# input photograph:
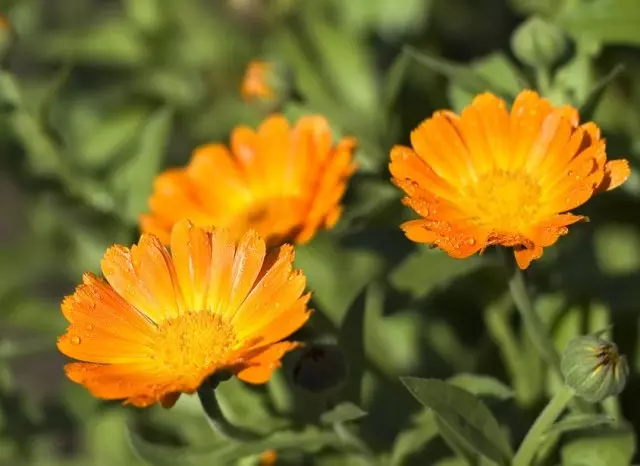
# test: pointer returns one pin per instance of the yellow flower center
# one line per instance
(194, 344)
(505, 201)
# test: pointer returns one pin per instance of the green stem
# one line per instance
(532, 441)
(216, 418)
(533, 325)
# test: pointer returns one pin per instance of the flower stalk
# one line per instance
(534, 438)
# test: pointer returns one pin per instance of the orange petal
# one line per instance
(524, 256)
(259, 369)
(247, 264)
(616, 173)
(191, 253)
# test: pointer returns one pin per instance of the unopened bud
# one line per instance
(538, 43)
(321, 369)
(594, 368)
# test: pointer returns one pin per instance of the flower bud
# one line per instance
(594, 368)
(321, 369)
(537, 43)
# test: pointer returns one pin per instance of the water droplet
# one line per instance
(471, 241)
(75, 340)
(89, 327)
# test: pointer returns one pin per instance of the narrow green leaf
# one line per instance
(463, 76)
(135, 177)
(482, 385)
(114, 42)
(114, 133)
(344, 412)
(588, 108)
(457, 443)
(608, 21)
(463, 414)
(579, 422)
(394, 77)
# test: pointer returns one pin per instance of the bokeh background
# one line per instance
(97, 96)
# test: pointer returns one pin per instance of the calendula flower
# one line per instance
(285, 182)
(494, 177)
(162, 323)
(268, 458)
(256, 83)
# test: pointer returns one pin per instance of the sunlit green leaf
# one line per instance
(136, 176)
(600, 447)
(482, 385)
(463, 414)
(344, 412)
(114, 42)
(579, 422)
(609, 21)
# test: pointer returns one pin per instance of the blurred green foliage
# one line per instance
(96, 97)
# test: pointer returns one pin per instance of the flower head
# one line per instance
(493, 177)
(594, 368)
(163, 323)
(285, 182)
(256, 83)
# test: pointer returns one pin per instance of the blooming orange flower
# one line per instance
(492, 177)
(268, 458)
(256, 82)
(284, 182)
(163, 323)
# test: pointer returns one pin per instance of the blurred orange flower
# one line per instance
(268, 458)
(163, 323)
(256, 82)
(285, 182)
(494, 177)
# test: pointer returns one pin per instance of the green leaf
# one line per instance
(608, 21)
(499, 73)
(600, 447)
(324, 261)
(482, 385)
(457, 443)
(394, 78)
(348, 64)
(465, 77)
(112, 134)
(148, 15)
(428, 269)
(246, 408)
(590, 105)
(412, 440)
(310, 440)
(344, 412)
(579, 422)
(114, 42)
(135, 177)
(463, 414)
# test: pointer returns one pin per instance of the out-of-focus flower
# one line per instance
(493, 177)
(594, 368)
(284, 182)
(257, 83)
(268, 458)
(163, 323)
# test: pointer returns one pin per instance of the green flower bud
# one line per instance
(538, 43)
(321, 368)
(594, 368)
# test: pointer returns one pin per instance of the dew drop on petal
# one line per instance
(471, 241)
(75, 340)
(89, 327)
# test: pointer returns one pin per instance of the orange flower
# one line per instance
(256, 82)
(162, 324)
(493, 177)
(284, 182)
(268, 458)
